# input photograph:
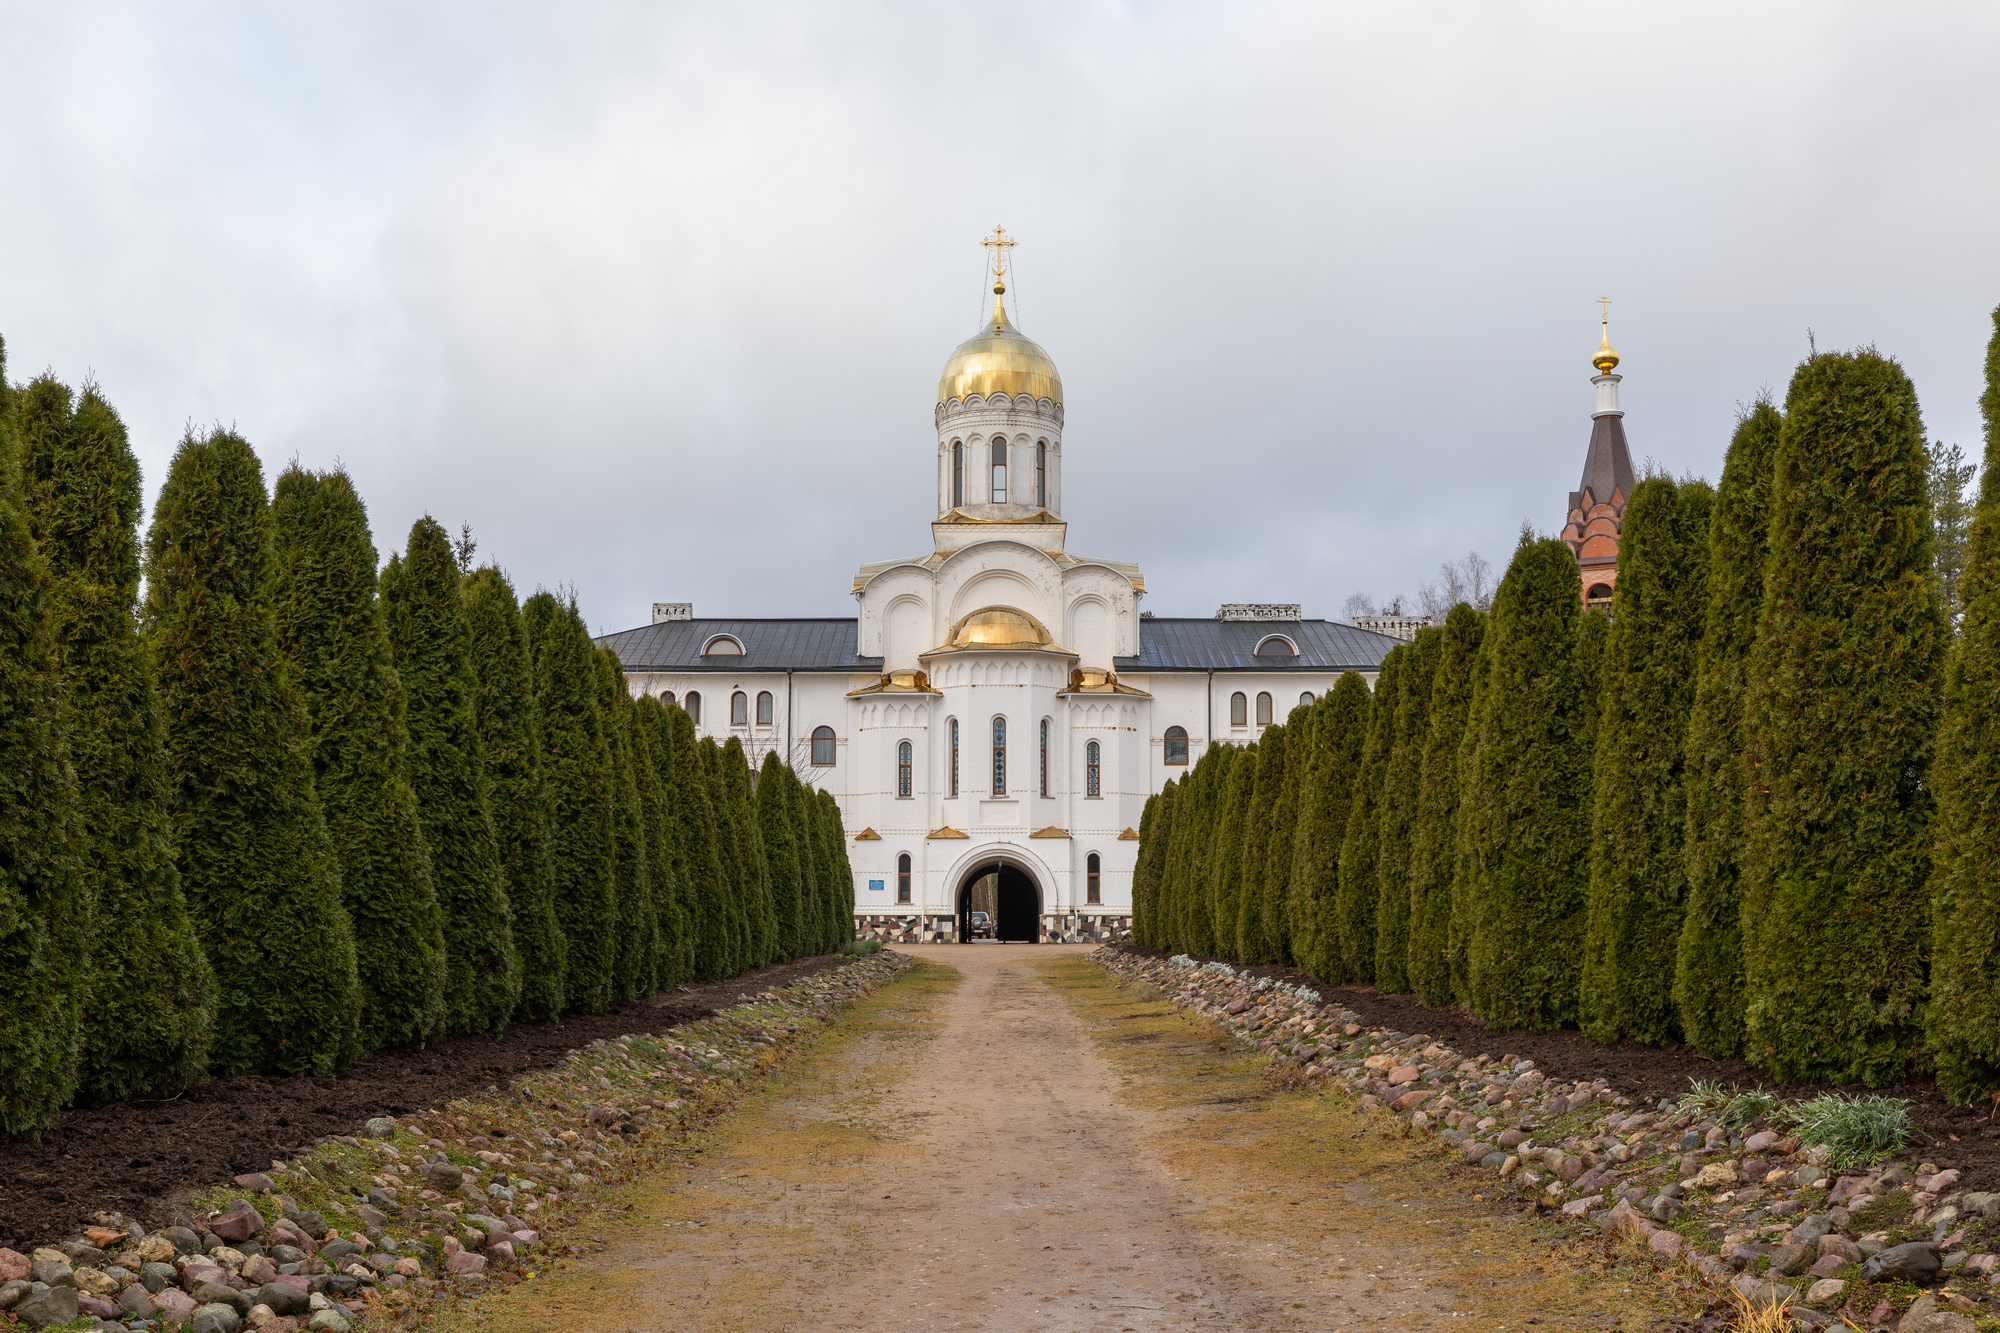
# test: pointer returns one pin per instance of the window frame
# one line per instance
(999, 456)
(1042, 473)
(1239, 709)
(667, 698)
(1093, 875)
(999, 774)
(739, 709)
(1093, 761)
(957, 473)
(767, 709)
(903, 878)
(905, 756)
(1263, 713)
(1044, 775)
(825, 733)
(954, 759)
(1307, 699)
(714, 648)
(1290, 653)
(1168, 738)
(691, 705)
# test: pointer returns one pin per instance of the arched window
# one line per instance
(957, 474)
(1042, 473)
(1599, 595)
(739, 709)
(903, 873)
(823, 746)
(1092, 891)
(903, 771)
(999, 470)
(1277, 647)
(1239, 710)
(1263, 709)
(763, 708)
(722, 646)
(694, 707)
(1043, 776)
(954, 757)
(999, 757)
(667, 698)
(1176, 747)
(1307, 699)
(1090, 769)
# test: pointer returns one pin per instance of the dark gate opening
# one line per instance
(1017, 905)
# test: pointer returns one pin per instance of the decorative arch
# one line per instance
(1277, 646)
(722, 645)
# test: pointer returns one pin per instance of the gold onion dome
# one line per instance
(1606, 358)
(998, 359)
(1000, 627)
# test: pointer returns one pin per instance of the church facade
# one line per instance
(999, 705)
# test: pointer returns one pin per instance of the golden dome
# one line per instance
(998, 359)
(1606, 359)
(1000, 627)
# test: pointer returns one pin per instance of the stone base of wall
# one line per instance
(1057, 928)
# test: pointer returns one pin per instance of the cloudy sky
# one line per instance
(656, 296)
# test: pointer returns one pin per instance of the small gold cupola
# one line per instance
(1606, 357)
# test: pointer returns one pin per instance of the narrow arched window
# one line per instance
(957, 474)
(823, 746)
(999, 470)
(1093, 891)
(694, 707)
(999, 756)
(1307, 699)
(739, 709)
(1263, 709)
(903, 877)
(667, 698)
(1239, 710)
(954, 757)
(1042, 473)
(903, 771)
(764, 708)
(1176, 745)
(1090, 769)
(1043, 777)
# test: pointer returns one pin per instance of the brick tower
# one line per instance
(1597, 506)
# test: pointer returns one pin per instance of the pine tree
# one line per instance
(1197, 905)
(257, 869)
(576, 783)
(840, 872)
(756, 892)
(1155, 826)
(781, 856)
(708, 912)
(728, 859)
(1226, 868)
(1352, 949)
(653, 756)
(509, 721)
(1841, 720)
(427, 632)
(816, 869)
(1963, 1017)
(152, 995)
(637, 932)
(1593, 637)
(1267, 779)
(1525, 796)
(45, 872)
(1327, 776)
(1398, 817)
(1638, 886)
(1434, 839)
(1301, 738)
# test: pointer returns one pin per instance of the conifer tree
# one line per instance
(632, 885)
(708, 910)
(1398, 815)
(1708, 967)
(1226, 869)
(1353, 945)
(1301, 738)
(1267, 779)
(1593, 636)
(152, 995)
(1155, 825)
(1434, 839)
(1464, 906)
(509, 721)
(576, 783)
(1325, 794)
(257, 869)
(433, 653)
(780, 837)
(653, 750)
(1637, 887)
(45, 908)
(1842, 713)
(1526, 798)
(1963, 1017)
(1197, 904)
(335, 642)
(729, 859)
(840, 872)
(816, 868)
(757, 916)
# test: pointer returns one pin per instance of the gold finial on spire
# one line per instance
(1606, 359)
(1000, 262)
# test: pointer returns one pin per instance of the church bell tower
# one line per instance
(1597, 506)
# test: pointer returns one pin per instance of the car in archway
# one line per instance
(979, 927)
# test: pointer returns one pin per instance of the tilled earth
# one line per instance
(140, 1158)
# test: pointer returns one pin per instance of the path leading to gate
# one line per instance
(1019, 1142)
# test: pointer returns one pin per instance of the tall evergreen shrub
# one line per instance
(508, 718)
(1526, 798)
(637, 941)
(840, 869)
(729, 858)
(1963, 1018)
(1353, 945)
(1301, 740)
(653, 758)
(708, 910)
(1434, 837)
(1637, 890)
(1842, 718)
(1327, 776)
(1226, 872)
(1267, 779)
(1398, 817)
(427, 632)
(259, 874)
(152, 996)
(757, 914)
(780, 837)
(1154, 821)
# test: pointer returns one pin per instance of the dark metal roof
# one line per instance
(1231, 645)
(1607, 464)
(768, 645)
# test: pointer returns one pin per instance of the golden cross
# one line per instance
(999, 243)
(1604, 309)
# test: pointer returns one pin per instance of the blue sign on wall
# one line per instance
(875, 885)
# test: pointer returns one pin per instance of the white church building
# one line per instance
(998, 702)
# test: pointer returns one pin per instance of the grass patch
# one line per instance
(1856, 1129)
(1731, 1108)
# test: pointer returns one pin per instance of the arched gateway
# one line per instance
(1016, 901)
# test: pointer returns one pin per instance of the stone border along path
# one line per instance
(379, 1230)
(1755, 1213)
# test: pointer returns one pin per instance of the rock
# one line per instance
(1916, 1262)
(155, 1250)
(311, 1223)
(94, 1281)
(1809, 1230)
(219, 1293)
(381, 1127)
(13, 1291)
(155, 1276)
(500, 1251)
(1714, 1176)
(465, 1263)
(283, 1298)
(257, 1271)
(135, 1300)
(52, 1272)
(256, 1182)
(1920, 1310)
(1512, 1138)
(1827, 1265)
(216, 1318)
(13, 1265)
(1757, 1142)
(1665, 1243)
(1810, 1175)
(1840, 1247)
(1982, 1202)
(98, 1306)
(1792, 1259)
(57, 1305)
(448, 1176)
(173, 1306)
(1667, 1209)
(1753, 1169)
(241, 1222)
(329, 1320)
(1826, 1289)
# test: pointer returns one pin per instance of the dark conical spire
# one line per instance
(1597, 507)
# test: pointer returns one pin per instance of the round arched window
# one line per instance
(904, 753)
(823, 746)
(694, 707)
(1276, 647)
(1090, 769)
(739, 709)
(1176, 746)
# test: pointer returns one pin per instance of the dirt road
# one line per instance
(1012, 1140)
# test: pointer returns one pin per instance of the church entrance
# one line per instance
(1008, 896)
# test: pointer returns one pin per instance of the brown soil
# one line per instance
(140, 1157)
(1962, 1137)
